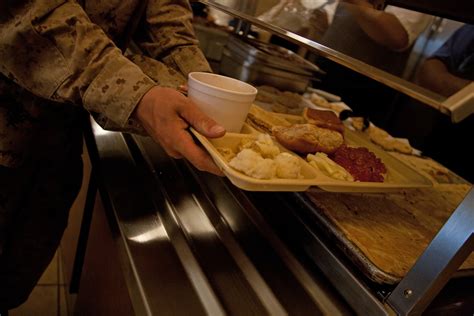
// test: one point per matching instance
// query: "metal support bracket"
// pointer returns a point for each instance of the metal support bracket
(443, 256)
(242, 27)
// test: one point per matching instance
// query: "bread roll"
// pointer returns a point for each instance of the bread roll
(263, 120)
(308, 138)
(324, 119)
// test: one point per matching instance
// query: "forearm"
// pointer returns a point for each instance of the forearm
(52, 49)
(383, 28)
(170, 36)
(435, 76)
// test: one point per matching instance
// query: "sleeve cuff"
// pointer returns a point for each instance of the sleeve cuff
(161, 73)
(116, 91)
(187, 59)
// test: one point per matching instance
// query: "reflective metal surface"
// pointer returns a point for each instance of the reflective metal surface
(154, 272)
(192, 244)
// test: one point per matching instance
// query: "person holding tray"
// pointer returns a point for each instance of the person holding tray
(58, 58)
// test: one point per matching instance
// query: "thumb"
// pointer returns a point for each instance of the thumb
(201, 122)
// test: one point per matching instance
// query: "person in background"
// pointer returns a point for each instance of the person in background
(353, 27)
(394, 28)
(383, 39)
(380, 38)
(58, 59)
(447, 71)
(451, 67)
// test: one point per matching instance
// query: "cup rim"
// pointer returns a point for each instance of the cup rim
(191, 76)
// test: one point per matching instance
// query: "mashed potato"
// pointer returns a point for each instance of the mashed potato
(263, 145)
(288, 166)
(253, 164)
(262, 159)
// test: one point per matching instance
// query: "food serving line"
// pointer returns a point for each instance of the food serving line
(193, 243)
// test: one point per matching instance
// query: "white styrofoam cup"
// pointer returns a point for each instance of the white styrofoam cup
(224, 99)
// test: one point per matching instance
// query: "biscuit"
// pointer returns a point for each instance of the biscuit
(308, 138)
(263, 120)
(324, 119)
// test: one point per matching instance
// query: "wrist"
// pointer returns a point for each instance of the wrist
(143, 108)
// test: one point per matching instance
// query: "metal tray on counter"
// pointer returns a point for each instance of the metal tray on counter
(354, 254)
(323, 208)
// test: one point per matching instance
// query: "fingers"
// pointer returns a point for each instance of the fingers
(173, 153)
(200, 121)
(166, 114)
(198, 157)
(183, 88)
(178, 143)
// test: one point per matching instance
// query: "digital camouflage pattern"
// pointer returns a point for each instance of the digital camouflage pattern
(58, 58)
(56, 54)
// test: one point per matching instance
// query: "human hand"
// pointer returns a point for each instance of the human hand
(183, 89)
(166, 114)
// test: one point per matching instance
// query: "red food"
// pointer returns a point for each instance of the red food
(361, 163)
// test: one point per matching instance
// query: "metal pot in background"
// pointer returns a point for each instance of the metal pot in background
(266, 64)
(212, 41)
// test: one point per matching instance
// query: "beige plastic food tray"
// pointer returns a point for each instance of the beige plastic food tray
(399, 175)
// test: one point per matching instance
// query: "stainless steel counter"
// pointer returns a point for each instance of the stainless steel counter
(193, 244)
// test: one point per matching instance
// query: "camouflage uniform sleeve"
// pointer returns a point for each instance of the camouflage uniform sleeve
(52, 49)
(170, 36)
